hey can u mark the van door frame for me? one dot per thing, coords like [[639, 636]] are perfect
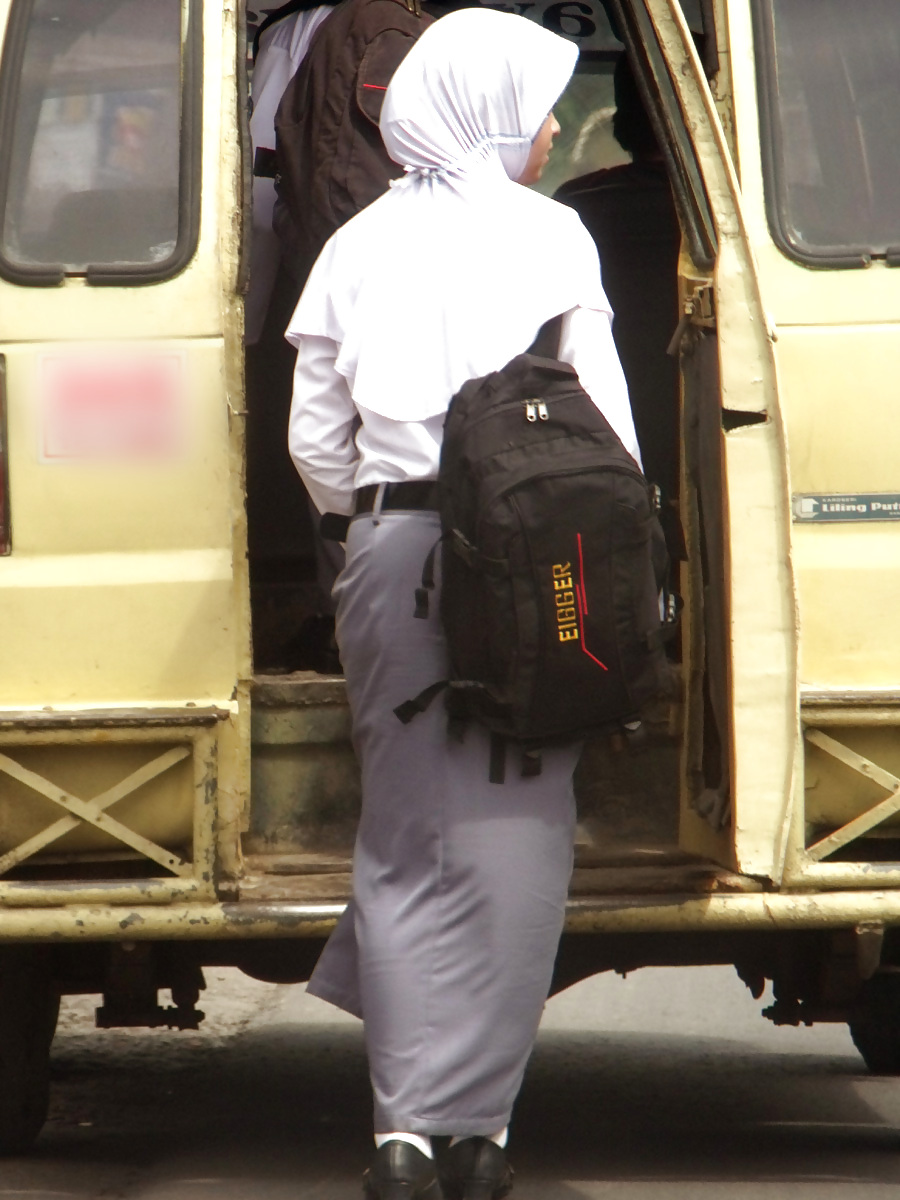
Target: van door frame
[[760, 611]]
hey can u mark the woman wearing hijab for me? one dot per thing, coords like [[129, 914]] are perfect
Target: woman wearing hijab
[[459, 885]]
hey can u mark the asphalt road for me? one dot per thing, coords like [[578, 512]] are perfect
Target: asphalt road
[[665, 1085]]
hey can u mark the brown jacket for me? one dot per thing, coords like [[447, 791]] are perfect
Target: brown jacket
[[331, 161]]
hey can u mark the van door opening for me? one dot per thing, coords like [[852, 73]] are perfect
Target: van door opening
[[630, 796]]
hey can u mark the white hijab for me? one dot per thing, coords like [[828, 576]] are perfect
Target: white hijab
[[452, 272]]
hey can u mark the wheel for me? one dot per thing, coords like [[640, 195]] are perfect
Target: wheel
[[875, 1024], [29, 1006]]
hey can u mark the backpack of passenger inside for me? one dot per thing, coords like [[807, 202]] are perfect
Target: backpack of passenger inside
[[553, 561], [329, 154]]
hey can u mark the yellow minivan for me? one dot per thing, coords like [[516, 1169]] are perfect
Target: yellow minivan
[[166, 805]]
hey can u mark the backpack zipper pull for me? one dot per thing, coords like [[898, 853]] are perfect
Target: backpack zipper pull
[[530, 410], [542, 411]]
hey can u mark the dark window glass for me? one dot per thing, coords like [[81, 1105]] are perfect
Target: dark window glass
[[830, 99], [586, 143], [93, 125]]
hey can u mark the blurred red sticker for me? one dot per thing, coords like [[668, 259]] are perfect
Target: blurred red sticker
[[111, 406]]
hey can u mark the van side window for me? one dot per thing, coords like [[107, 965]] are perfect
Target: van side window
[[829, 80], [92, 169]]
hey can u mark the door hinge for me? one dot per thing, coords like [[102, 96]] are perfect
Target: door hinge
[[699, 311]]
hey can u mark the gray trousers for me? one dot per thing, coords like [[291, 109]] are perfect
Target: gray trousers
[[459, 885]]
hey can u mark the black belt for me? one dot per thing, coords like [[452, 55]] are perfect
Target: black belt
[[414, 495]]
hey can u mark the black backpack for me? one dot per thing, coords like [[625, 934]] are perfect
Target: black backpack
[[553, 560]]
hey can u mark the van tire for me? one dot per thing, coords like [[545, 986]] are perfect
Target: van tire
[[875, 1024], [29, 1007]]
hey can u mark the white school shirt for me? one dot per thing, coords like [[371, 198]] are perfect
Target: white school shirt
[[282, 49], [338, 446]]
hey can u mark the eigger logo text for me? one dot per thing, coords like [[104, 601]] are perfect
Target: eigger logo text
[[563, 594]]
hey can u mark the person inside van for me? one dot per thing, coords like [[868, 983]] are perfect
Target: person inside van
[[280, 45], [459, 885], [630, 213], [333, 120], [332, 82]]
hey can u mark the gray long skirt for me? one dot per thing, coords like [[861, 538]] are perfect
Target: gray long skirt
[[459, 884]]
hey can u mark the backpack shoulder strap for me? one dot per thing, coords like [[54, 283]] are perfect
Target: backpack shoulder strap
[[546, 344]]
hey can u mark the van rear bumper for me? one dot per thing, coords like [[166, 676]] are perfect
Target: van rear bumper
[[610, 915]]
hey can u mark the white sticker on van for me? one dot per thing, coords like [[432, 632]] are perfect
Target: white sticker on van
[[112, 406]]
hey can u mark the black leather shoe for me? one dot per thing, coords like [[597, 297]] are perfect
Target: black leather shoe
[[476, 1169], [401, 1172]]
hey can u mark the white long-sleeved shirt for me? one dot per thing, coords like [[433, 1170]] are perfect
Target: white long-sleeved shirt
[[338, 446]]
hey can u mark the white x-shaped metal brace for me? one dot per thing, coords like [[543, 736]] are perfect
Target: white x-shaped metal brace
[[867, 820], [93, 812]]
